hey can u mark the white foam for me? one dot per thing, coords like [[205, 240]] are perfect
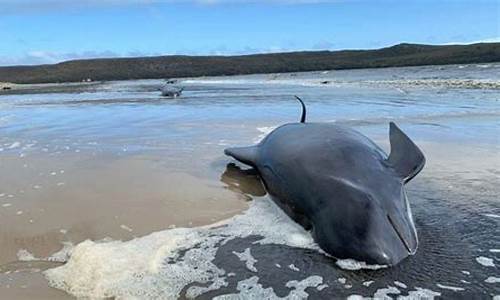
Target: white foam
[[60, 256], [368, 283], [485, 261], [300, 286], [385, 292], [492, 279], [449, 287], [293, 267], [491, 215], [420, 293], [251, 289], [14, 145], [441, 83], [247, 257], [63, 254], [264, 131], [400, 284], [196, 291], [147, 267], [125, 227], [222, 143], [351, 264], [25, 255], [335, 82], [495, 250], [6, 204]]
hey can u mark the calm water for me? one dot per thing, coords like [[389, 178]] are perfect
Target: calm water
[[116, 160]]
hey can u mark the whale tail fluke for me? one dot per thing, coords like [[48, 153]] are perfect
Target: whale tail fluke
[[303, 117], [246, 155]]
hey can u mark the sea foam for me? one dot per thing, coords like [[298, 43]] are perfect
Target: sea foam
[[161, 264]]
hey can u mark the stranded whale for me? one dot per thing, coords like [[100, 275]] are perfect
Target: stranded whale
[[340, 185], [171, 92]]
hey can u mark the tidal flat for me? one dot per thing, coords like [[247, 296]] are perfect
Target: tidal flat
[[110, 190]]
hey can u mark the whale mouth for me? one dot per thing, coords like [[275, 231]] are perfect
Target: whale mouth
[[400, 235]]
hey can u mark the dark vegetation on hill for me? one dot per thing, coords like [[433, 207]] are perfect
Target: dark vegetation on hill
[[194, 66]]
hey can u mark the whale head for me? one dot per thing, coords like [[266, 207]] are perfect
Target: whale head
[[372, 222], [376, 228]]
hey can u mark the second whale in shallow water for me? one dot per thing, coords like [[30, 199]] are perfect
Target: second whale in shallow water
[[340, 185]]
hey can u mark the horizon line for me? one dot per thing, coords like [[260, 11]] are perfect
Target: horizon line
[[117, 56]]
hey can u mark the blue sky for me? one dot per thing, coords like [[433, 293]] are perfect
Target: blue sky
[[48, 31]]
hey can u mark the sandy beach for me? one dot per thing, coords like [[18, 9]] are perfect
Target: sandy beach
[[114, 161]]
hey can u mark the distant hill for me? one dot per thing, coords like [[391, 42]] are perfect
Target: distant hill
[[193, 66]]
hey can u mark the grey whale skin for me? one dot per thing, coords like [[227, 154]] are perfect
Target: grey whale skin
[[340, 185]]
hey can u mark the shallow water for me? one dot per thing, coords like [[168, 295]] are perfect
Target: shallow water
[[116, 160]]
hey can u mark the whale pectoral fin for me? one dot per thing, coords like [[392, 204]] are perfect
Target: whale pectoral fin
[[246, 155], [405, 158]]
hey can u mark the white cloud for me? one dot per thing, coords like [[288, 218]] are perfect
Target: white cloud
[[486, 40], [38, 57], [49, 57], [489, 40]]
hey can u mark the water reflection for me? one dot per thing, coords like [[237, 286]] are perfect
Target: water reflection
[[245, 181]]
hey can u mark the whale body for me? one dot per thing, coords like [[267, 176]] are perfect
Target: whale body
[[341, 186], [171, 92]]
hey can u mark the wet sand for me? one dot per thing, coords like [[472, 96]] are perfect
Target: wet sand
[[72, 198], [45, 88], [95, 198]]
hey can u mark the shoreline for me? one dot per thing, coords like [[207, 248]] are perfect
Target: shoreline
[[289, 78], [82, 170], [178, 66], [30, 277]]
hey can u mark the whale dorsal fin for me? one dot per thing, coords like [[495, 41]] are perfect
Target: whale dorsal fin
[[246, 155], [303, 116], [405, 158]]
